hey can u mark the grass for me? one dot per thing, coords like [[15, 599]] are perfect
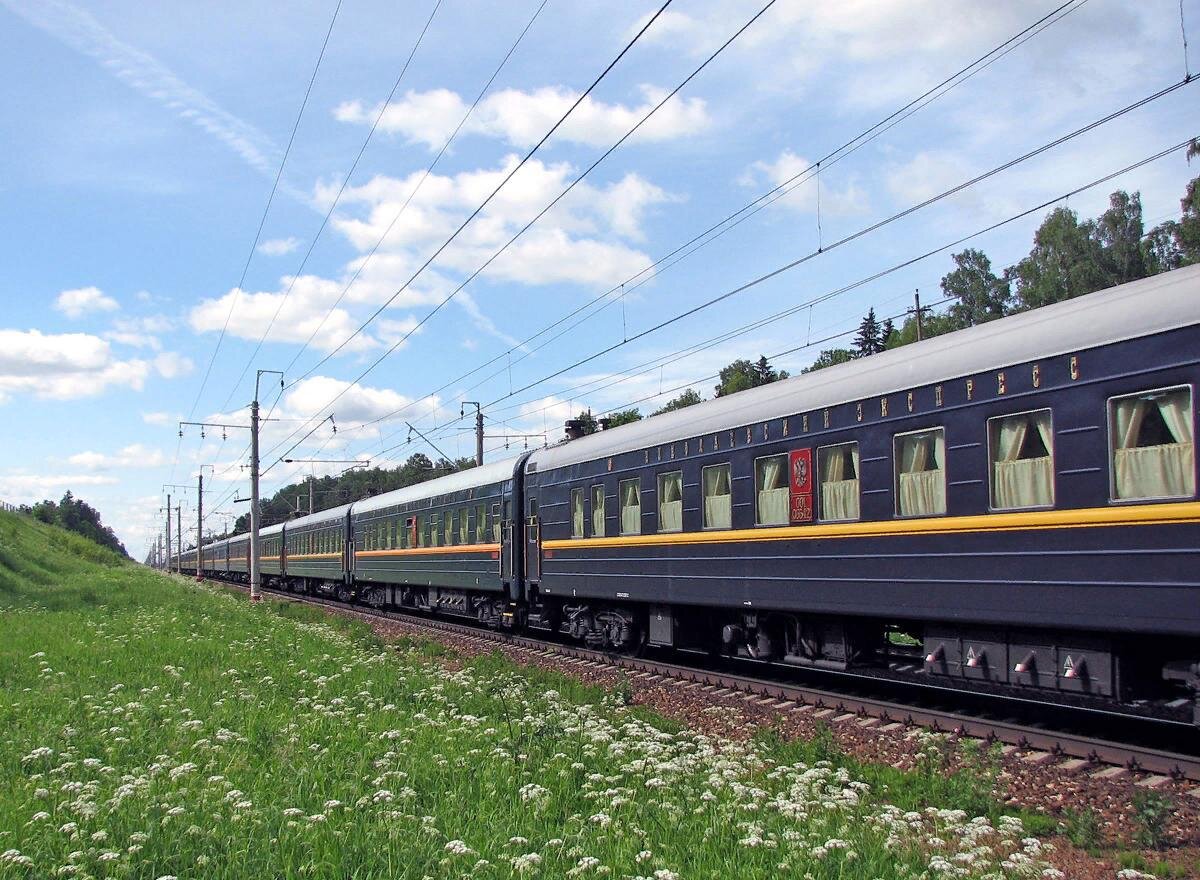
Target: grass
[[151, 728]]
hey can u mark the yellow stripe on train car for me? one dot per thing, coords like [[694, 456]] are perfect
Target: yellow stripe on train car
[[1091, 517]]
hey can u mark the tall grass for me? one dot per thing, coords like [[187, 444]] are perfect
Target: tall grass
[[150, 728]]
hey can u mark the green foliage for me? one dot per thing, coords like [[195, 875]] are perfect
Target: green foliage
[[1151, 811], [184, 720], [624, 417], [352, 485], [1065, 262], [1188, 232], [689, 397], [871, 338], [981, 295], [76, 515], [743, 374], [1082, 828], [828, 358]]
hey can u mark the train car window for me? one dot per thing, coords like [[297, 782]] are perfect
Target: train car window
[[837, 469], [480, 523], [718, 499], [597, 511], [576, 513], [497, 523], [464, 536], [422, 531], [450, 517], [670, 502], [920, 465], [771, 489], [1021, 452], [1152, 440], [630, 497]]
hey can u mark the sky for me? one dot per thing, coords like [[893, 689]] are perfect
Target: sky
[[145, 144]]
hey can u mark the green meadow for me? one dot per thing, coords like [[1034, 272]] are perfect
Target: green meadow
[[153, 728]]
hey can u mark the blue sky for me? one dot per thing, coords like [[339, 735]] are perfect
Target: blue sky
[[141, 143]]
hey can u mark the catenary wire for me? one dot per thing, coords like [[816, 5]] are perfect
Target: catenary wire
[[336, 199], [479, 208], [852, 286], [266, 210], [853, 236], [362, 264], [754, 206]]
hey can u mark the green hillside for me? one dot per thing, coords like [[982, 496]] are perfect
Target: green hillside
[[154, 728]]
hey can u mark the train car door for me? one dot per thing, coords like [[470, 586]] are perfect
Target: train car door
[[533, 544], [348, 561], [501, 513]]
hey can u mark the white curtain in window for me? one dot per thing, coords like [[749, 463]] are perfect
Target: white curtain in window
[[1022, 482], [577, 513], [462, 527], [1167, 470], [771, 477], [922, 476], [631, 508], [717, 499], [670, 502], [839, 487], [598, 512]]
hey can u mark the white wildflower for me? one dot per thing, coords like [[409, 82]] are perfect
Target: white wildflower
[[526, 863], [458, 847]]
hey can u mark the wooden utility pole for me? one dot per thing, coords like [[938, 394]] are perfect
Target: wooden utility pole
[[917, 305]]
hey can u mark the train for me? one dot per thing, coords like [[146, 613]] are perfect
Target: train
[[1007, 508]]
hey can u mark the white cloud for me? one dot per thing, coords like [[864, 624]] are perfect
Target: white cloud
[[361, 403], [63, 366], [300, 315], [521, 118], [157, 418], [143, 73], [133, 456], [277, 247], [25, 488], [139, 332], [847, 199], [171, 365], [572, 243], [84, 300]]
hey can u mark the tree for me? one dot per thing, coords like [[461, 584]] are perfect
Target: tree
[[690, 397], [886, 332], [1188, 236], [1065, 262], [624, 417], [1160, 250], [352, 485], [1118, 231], [76, 515], [870, 336], [587, 423], [828, 358], [743, 374], [981, 295]]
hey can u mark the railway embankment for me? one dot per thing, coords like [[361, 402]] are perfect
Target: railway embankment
[[151, 727]]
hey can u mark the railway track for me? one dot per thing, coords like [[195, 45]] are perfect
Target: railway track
[[1041, 744]]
